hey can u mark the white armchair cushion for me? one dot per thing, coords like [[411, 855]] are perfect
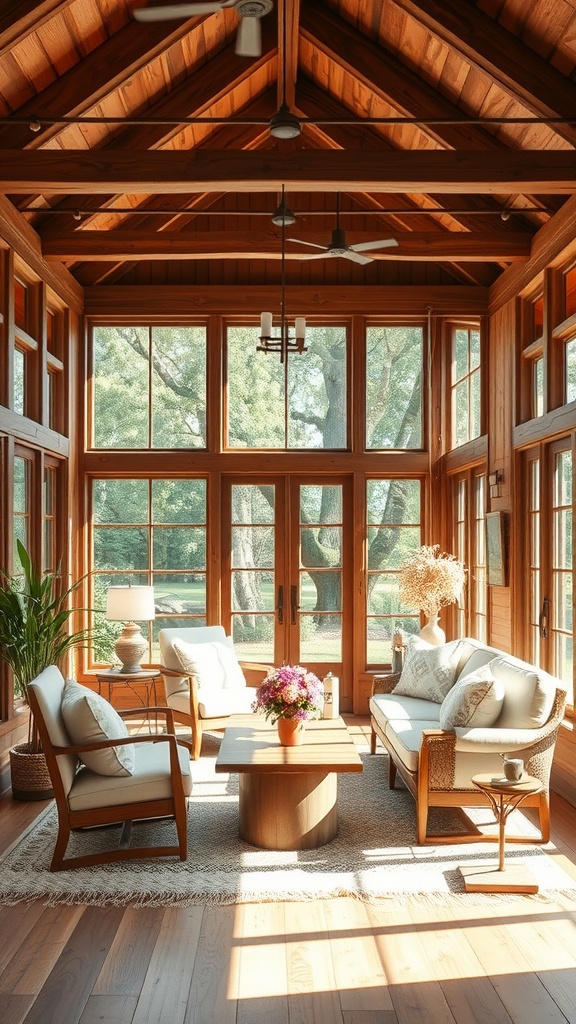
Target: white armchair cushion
[[89, 719], [475, 700], [429, 672], [214, 665], [149, 781]]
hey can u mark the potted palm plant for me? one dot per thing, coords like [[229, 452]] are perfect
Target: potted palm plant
[[34, 620]]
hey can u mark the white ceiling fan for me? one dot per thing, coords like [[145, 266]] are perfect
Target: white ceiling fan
[[249, 37], [339, 247]]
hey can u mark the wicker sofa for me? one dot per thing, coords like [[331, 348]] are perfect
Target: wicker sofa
[[453, 712]]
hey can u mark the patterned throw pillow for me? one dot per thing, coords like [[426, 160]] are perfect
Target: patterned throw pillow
[[429, 672], [88, 719], [475, 701]]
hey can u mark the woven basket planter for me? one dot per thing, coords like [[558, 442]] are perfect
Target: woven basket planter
[[30, 776]]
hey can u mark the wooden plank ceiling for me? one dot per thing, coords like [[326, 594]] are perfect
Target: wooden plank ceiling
[[141, 152]]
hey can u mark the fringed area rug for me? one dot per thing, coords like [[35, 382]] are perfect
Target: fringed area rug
[[373, 857]]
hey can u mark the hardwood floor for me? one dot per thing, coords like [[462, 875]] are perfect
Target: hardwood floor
[[325, 962]]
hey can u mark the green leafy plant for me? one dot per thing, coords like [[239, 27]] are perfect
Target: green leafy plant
[[34, 618]]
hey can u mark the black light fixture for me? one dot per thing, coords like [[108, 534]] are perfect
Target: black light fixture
[[282, 342], [283, 216], [284, 124]]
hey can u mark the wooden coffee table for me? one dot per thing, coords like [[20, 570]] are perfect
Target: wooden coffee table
[[288, 796]]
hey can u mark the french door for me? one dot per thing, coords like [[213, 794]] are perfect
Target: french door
[[286, 560]]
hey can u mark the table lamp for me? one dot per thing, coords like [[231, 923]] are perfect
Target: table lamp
[[127, 604]]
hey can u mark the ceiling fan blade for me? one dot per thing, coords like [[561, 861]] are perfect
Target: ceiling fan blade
[[354, 257], [316, 256], [175, 11], [384, 243], [300, 241], [249, 38]]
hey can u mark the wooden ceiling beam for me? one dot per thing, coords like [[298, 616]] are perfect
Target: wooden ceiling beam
[[385, 76], [76, 172], [21, 18], [523, 73], [454, 246], [288, 23]]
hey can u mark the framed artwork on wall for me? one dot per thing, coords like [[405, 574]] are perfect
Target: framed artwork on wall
[[496, 561]]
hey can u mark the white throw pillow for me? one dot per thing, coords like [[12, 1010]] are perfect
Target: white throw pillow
[[475, 701], [429, 672], [213, 664], [88, 719]]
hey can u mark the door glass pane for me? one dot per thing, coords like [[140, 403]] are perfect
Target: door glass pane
[[561, 617], [392, 532], [320, 589], [253, 571], [20, 517]]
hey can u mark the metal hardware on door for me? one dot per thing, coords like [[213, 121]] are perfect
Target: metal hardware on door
[[294, 603], [280, 605], [543, 620]]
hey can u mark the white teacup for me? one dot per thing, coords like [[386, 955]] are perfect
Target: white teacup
[[513, 768]]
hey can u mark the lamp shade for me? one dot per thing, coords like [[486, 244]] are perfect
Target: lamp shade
[[130, 604]]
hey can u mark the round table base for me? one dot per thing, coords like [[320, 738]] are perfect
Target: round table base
[[288, 811]]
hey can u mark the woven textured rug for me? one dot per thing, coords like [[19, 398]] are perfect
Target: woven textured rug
[[373, 857]]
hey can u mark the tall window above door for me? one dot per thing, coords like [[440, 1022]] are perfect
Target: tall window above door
[[465, 385], [394, 357], [299, 404], [149, 387]]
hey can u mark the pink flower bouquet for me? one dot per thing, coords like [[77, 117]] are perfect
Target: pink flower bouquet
[[290, 692]]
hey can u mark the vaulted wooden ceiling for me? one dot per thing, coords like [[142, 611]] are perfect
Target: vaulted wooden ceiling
[[142, 153]]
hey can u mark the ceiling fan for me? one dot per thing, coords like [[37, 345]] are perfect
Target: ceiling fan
[[339, 247], [249, 37]]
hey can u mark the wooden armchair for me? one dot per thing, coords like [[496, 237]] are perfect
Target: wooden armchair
[[156, 787], [204, 681]]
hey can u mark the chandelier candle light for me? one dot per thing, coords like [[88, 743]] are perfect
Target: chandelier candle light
[[130, 605], [282, 343]]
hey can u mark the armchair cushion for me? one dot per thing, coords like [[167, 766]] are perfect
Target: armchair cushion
[[89, 719], [429, 672], [150, 780], [214, 665], [475, 700]]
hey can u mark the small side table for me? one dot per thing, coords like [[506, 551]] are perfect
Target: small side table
[[505, 797], [146, 676]]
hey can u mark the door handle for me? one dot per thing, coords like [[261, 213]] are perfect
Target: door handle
[[280, 605], [294, 603], [543, 620]]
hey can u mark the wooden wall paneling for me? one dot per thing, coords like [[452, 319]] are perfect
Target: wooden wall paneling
[[20, 237]]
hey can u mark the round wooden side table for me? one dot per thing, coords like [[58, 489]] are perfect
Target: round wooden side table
[[504, 797], [148, 677]]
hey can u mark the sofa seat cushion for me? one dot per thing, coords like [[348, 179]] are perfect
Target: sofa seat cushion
[[150, 780], [495, 740], [405, 738], [215, 703], [386, 706], [429, 671], [475, 700], [90, 719]]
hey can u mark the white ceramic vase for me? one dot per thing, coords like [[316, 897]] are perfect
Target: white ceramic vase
[[432, 632]]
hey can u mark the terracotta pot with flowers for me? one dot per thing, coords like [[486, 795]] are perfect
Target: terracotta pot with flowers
[[430, 580], [289, 696]]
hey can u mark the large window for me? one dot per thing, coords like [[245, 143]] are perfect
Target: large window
[[394, 387], [149, 387], [469, 491], [150, 532], [466, 381], [392, 533], [298, 404]]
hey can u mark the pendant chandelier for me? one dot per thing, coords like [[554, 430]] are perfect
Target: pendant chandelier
[[284, 342]]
